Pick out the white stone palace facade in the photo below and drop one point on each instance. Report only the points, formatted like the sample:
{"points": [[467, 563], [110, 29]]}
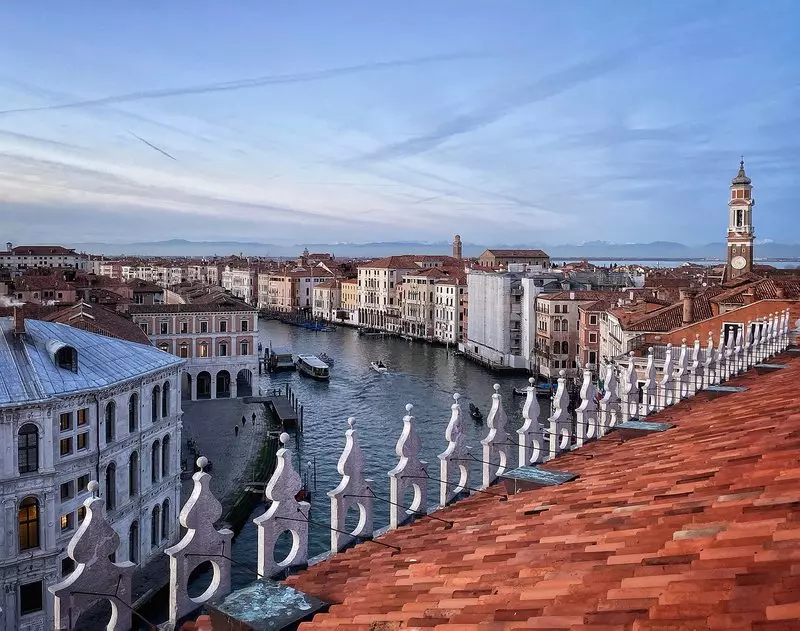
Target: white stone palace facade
{"points": [[217, 341], [76, 406]]}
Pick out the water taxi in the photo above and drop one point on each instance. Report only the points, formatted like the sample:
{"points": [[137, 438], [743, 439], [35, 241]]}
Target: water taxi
{"points": [[313, 366], [379, 366]]}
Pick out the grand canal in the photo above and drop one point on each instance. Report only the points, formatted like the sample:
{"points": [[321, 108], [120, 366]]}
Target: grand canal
{"points": [[423, 375]]}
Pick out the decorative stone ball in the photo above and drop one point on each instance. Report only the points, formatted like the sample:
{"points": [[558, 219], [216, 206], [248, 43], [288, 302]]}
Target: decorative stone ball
{"points": [[456, 397], [496, 388], [284, 438], [531, 381], [562, 373], [93, 486], [202, 462], [351, 421], [409, 407]]}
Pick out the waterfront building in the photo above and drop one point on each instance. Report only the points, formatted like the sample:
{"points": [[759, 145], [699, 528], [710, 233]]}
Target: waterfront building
{"points": [[495, 258], [327, 299], [203, 273], [418, 298], [449, 294], [590, 315], [22, 257], [240, 282], [741, 233], [218, 342], [348, 310], [292, 289], [78, 406]]}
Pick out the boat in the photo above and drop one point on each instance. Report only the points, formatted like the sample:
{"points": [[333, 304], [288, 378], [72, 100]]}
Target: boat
{"points": [[459, 354], [313, 366], [280, 359], [407, 337], [326, 358], [379, 366], [542, 390], [475, 412]]}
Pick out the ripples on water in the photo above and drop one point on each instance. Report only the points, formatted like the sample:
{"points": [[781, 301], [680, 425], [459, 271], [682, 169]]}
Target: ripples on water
{"points": [[421, 374]]}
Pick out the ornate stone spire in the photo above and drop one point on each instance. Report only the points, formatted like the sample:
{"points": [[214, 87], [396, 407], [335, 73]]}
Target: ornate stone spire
{"points": [[496, 444], [454, 457], [741, 176], [410, 473]]}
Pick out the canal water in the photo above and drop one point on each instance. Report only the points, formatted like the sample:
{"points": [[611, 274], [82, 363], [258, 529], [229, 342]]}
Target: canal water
{"points": [[423, 375]]}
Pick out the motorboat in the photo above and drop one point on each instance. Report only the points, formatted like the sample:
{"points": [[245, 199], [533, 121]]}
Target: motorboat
{"points": [[475, 412], [312, 366], [542, 390], [379, 366], [326, 358]]}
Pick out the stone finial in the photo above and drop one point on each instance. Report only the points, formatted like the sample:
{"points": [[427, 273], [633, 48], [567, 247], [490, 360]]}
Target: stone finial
{"points": [[762, 338], [354, 491], [629, 392], [747, 346], [202, 542], [409, 474], [454, 457], [650, 387], [682, 375], [586, 415], [771, 330], [738, 351], [666, 387], [609, 403], [719, 375], [696, 368], [530, 436], [709, 364], [284, 514], [785, 330], [497, 441], [560, 420], [94, 573]]}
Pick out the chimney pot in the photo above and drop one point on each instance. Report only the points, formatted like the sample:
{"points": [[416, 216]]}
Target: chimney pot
{"points": [[688, 305], [19, 321]]}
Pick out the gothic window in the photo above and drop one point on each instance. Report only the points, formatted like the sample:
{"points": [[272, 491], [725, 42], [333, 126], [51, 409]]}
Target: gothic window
{"points": [[111, 486], [28, 524], [556, 325], [564, 324], [155, 403], [111, 421], [165, 520], [154, 464], [165, 400], [133, 412], [155, 523], [28, 449], [557, 348], [165, 456], [565, 348], [133, 475], [133, 542]]}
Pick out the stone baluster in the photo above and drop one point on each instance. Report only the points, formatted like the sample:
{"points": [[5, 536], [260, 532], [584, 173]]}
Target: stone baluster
{"points": [[730, 356], [497, 442], [586, 415], [785, 330], [761, 344], [95, 577], [530, 436], [738, 351], [747, 347], [609, 404], [773, 324], [666, 386], [455, 457], [779, 317], [409, 474], [560, 431], [202, 542], [710, 368], [650, 387], [720, 375], [695, 368], [682, 376], [630, 390], [354, 491], [285, 514]]}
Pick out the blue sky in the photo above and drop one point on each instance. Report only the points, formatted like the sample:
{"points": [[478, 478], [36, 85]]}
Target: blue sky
{"points": [[507, 121]]}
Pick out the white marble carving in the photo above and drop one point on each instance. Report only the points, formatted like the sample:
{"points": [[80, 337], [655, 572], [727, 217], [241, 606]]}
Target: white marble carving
{"points": [[730, 355], [629, 390], [496, 445], [95, 577], [455, 457], [284, 514], [747, 348], [560, 431], [353, 492], [650, 387], [530, 436], [697, 368], [609, 404], [720, 374], [682, 376], [666, 386], [202, 542], [737, 352], [410, 473], [773, 325], [760, 345], [587, 420], [786, 330], [710, 368]]}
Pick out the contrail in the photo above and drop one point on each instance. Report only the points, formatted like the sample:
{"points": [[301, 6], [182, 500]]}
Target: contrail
{"points": [[152, 146], [302, 77]]}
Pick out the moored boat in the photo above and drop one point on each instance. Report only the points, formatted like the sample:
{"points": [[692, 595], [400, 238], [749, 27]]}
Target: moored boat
{"points": [[313, 366], [280, 359], [542, 390]]}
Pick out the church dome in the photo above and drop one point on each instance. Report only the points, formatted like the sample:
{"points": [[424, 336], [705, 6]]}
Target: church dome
{"points": [[741, 176]]}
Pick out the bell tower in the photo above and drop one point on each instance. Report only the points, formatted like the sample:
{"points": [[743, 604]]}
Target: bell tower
{"points": [[457, 247], [740, 225]]}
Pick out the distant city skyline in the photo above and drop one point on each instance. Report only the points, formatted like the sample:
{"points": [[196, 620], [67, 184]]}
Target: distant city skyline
{"points": [[508, 122]]}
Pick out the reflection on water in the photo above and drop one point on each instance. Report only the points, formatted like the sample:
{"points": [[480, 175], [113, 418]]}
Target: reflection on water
{"points": [[424, 375]]}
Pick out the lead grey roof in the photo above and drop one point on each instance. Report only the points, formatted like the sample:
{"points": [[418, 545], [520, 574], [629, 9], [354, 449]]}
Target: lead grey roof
{"points": [[28, 373]]}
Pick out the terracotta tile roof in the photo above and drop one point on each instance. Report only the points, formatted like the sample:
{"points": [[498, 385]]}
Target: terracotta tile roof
{"points": [[224, 303], [96, 318], [40, 282], [670, 318], [581, 295], [328, 284], [40, 250], [144, 286], [531, 254], [696, 528], [407, 261]]}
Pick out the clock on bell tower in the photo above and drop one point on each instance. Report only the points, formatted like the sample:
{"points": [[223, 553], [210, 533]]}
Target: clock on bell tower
{"points": [[740, 225]]}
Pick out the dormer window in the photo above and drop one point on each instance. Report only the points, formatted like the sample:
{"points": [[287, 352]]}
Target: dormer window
{"points": [[63, 356]]}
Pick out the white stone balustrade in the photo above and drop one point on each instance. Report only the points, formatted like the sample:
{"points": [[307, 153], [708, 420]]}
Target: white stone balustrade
{"points": [[629, 390], [560, 431], [587, 420], [497, 444], [730, 355], [682, 376], [747, 346], [719, 375], [353, 492], [696, 368], [202, 542], [650, 387], [530, 437], [710, 367], [455, 457], [95, 577], [411, 473], [284, 514], [738, 352], [666, 386], [761, 341], [609, 404]]}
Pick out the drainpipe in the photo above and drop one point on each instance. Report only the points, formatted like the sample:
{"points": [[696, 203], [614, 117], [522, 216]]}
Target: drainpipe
{"points": [[97, 446]]}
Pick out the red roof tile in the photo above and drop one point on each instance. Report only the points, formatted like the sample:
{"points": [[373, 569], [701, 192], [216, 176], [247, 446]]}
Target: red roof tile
{"points": [[694, 528], [98, 319]]}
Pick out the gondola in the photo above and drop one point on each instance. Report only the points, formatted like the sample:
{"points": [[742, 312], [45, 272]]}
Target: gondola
{"points": [[474, 412]]}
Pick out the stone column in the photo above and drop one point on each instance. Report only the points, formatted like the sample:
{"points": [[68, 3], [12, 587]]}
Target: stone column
{"points": [[193, 386], [213, 386]]}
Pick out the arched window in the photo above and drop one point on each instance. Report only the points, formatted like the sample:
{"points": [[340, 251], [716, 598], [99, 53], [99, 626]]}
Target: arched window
{"points": [[557, 348], [133, 475], [165, 455], [133, 413], [28, 448], [155, 524], [165, 400], [133, 543], [111, 486], [111, 421], [565, 348], [165, 520], [245, 347], [556, 324], [155, 403], [154, 464], [28, 524], [163, 347], [564, 324]]}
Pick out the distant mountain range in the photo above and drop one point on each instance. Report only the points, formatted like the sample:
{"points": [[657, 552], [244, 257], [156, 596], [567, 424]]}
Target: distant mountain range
{"points": [[589, 250]]}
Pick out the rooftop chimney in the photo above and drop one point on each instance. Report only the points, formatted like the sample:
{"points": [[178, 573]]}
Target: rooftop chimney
{"points": [[748, 297], [780, 293], [19, 321], [687, 296]]}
